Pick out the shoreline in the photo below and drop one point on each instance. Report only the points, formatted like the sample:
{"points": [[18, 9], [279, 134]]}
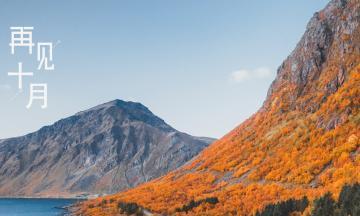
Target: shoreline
{"points": [[65, 205], [60, 198]]}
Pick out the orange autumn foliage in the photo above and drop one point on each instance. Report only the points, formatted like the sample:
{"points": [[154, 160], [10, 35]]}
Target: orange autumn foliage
{"points": [[307, 161], [304, 141]]}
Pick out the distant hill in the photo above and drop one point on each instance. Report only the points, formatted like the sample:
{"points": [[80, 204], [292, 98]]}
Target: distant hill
{"points": [[106, 149], [304, 141]]}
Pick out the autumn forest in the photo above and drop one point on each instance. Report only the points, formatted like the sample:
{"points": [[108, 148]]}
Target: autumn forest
{"points": [[298, 155]]}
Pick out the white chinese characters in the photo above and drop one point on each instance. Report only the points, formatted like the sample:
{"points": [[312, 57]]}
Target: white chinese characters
{"points": [[20, 75], [38, 92], [45, 55], [23, 37]]}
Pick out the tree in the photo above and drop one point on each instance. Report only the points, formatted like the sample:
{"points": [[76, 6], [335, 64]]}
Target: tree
{"points": [[325, 205], [285, 208], [349, 200]]}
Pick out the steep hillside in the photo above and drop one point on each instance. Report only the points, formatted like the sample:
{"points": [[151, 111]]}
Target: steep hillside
{"points": [[108, 148], [303, 141]]}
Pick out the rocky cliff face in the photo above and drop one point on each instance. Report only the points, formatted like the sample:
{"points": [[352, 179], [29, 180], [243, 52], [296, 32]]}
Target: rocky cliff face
{"points": [[304, 141], [108, 148], [321, 61]]}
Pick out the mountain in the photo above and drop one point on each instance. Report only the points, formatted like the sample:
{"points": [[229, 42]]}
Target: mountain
{"points": [[108, 148], [304, 141]]}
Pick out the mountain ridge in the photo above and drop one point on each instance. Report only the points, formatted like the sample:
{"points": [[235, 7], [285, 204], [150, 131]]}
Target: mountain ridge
{"points": [[107, 148]]}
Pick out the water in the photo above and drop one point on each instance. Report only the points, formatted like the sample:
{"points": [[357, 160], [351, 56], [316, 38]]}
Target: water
{"points": [[33, 207]]}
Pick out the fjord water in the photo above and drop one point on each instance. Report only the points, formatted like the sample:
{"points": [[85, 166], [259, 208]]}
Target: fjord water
{"points": [[34, 207]]}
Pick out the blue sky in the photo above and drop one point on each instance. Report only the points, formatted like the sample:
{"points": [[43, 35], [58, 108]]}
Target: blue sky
{"points": [[203, 66]]}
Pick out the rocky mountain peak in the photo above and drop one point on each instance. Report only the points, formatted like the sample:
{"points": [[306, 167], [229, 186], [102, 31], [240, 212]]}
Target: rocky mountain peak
{"points": [[127, 111], [110, 147], [322, 59]]}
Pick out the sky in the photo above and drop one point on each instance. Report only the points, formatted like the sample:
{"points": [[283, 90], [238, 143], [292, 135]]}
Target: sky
{"points": [[203, 66]]}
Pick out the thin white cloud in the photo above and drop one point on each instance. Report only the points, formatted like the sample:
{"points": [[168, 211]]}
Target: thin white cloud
{"points": [[244, 74], [240, 75]]}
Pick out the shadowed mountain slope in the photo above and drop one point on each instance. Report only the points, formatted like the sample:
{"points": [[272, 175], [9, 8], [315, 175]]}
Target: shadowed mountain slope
{"points": [[108, 148]]}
